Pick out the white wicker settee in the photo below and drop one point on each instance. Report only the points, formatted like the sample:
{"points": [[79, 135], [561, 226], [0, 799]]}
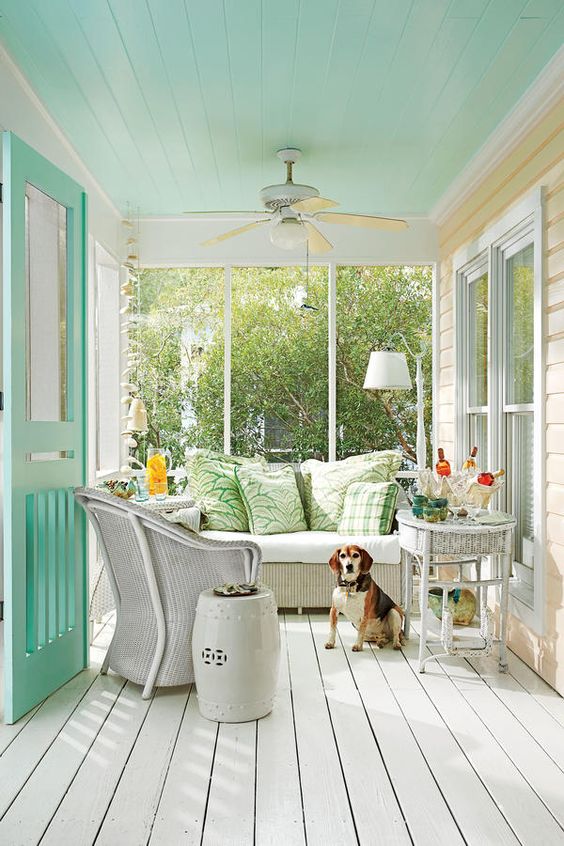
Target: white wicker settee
{"points": [[294, 565]]}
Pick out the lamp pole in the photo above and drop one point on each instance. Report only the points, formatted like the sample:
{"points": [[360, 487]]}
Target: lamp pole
{"points": [[421, 444]]}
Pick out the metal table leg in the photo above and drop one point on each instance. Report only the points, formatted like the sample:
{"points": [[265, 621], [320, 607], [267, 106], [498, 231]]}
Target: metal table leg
{"points": [[423, 606], [503, 610], [408, 588]]}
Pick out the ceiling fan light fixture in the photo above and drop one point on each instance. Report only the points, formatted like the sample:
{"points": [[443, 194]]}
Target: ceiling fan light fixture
{"points": [[289, 233]]}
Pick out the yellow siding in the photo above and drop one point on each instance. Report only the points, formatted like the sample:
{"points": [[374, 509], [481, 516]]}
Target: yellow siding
{"points": [[537, 160]]}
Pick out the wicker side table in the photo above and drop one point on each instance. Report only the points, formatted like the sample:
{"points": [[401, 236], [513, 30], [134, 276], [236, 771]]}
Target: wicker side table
{"points": [[462, 540]]}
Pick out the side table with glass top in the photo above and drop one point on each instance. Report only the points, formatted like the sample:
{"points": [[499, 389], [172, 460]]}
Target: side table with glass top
{"points": [[456, 543]]}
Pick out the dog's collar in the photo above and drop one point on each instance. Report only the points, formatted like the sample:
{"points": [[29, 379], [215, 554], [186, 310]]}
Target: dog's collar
{"points": [[357, 585]]}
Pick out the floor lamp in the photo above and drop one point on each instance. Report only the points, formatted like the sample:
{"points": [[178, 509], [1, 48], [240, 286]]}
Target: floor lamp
{"points": [[387, 371]]}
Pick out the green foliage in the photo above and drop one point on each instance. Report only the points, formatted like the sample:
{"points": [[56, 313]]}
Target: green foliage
{"points": [[279, 381]]}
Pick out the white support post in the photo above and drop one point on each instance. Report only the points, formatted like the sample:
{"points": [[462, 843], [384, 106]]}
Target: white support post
{"points": [[332, 363], [421, 447], [227, 360]]}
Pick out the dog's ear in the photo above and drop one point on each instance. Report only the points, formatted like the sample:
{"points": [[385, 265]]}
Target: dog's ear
{"points": [[365, 561], [334, 561]]}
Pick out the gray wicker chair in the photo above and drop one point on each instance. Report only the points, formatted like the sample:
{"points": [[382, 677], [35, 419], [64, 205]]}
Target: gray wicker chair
{"points": [[157, 570]]}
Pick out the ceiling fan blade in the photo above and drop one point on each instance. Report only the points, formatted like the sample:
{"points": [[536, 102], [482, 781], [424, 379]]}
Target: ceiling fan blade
{"points": [[318, 243], [227, 213], [211, 242], [313, 204], [367, 220]]}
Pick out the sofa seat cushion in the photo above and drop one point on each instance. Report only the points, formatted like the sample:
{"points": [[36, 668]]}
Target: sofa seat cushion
{"points": [[315, 547]]}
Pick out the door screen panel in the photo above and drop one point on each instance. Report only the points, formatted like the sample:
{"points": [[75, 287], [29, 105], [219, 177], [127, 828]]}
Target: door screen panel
{"points": [[46, 312]]}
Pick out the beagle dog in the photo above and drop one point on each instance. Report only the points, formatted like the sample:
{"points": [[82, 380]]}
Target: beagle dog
{"points": [[357, 596]]}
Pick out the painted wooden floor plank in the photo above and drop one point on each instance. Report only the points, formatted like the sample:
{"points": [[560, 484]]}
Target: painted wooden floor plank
{"points": [[526, 814], [326, 804], [456, 778], [27, 818], [232, 790], [545, 695], [9, 733], [22, 756], [375, 807], [132, 810], [427, 815], [547, 731], [279, 813], [544, 776], [180, 815], [84, 805]]}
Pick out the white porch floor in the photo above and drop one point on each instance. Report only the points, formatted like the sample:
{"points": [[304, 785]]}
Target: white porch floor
{"points": [[359, 749]]}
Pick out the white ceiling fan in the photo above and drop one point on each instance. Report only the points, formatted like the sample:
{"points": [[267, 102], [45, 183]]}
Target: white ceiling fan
{"points": [[292, 210]]}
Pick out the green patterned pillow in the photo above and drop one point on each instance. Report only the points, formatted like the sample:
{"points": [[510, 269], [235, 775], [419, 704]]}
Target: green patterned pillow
{"points": [[326, 483], [272, 500], [226, 459], [212, 484], [369, 508]]}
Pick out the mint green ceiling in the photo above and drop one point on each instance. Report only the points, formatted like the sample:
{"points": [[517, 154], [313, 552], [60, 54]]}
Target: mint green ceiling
{"points": [[180, 104]]}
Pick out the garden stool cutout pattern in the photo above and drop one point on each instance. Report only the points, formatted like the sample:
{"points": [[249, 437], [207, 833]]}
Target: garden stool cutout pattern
{"points": [[236, 652]]}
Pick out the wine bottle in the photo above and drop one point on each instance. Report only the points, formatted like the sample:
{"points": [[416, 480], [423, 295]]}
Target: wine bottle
{"points": [[470, 463], [442, 466], [489, 478]]}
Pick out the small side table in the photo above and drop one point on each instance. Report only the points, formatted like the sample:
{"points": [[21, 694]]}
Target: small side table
{"points": [[236, 652], [463, 540], [169, 503]]}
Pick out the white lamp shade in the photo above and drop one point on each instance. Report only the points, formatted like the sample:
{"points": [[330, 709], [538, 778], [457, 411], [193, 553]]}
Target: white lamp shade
{"points": [[387, 371]]}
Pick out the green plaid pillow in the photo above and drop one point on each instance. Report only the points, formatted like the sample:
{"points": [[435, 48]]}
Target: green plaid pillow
{"points": [[326, 484], [369, 508]]}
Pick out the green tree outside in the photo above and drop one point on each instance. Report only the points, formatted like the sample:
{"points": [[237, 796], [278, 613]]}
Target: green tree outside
{"points": [[279, 370]]}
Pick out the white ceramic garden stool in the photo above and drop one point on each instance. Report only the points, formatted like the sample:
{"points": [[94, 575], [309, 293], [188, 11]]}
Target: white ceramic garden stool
{"points": [[236, 652]]}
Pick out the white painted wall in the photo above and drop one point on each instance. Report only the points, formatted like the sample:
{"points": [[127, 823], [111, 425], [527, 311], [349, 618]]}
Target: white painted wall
{"points": [[175, 241]]}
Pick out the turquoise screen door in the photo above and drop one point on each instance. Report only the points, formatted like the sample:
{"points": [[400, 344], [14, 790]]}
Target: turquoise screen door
{"points": [[44, 272]]}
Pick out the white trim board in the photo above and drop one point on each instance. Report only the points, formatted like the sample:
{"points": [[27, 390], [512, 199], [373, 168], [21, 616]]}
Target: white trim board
{"points": [[530, 109], [525, 215]]}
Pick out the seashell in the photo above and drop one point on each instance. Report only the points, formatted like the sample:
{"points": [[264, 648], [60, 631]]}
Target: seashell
{"points": [[129, 386], [131, 442], [124, 309], [125, 469], [126, 399], [126, 432]]}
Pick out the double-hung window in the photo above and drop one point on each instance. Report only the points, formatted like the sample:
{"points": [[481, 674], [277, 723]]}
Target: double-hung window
{"points": [[500, 381], [475, 307]]}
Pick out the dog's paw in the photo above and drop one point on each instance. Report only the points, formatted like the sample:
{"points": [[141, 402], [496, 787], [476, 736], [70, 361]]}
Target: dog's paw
{"points": [[329, 645], [397, 645], [358, 647]]}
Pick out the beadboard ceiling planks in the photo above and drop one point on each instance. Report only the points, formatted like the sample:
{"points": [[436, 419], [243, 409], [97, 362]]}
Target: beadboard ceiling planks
{"points": [[180, 105]]}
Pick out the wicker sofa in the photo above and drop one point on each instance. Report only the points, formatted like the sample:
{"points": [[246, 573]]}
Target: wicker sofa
{"points": [[295, 565]]}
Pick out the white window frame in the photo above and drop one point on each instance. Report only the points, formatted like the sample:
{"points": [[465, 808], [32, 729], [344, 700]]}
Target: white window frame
{"points": [[523, 223]]}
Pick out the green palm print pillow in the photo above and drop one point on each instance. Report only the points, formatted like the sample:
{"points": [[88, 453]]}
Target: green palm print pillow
{"points": [[212, 483], [272, 500]]}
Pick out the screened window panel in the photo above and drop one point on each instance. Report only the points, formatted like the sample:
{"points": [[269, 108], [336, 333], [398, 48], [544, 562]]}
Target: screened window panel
{"points": [[46, 318], [521, 491], [279, 367], [519, 291], [478, 433], [372, 304], [478, 341]]}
